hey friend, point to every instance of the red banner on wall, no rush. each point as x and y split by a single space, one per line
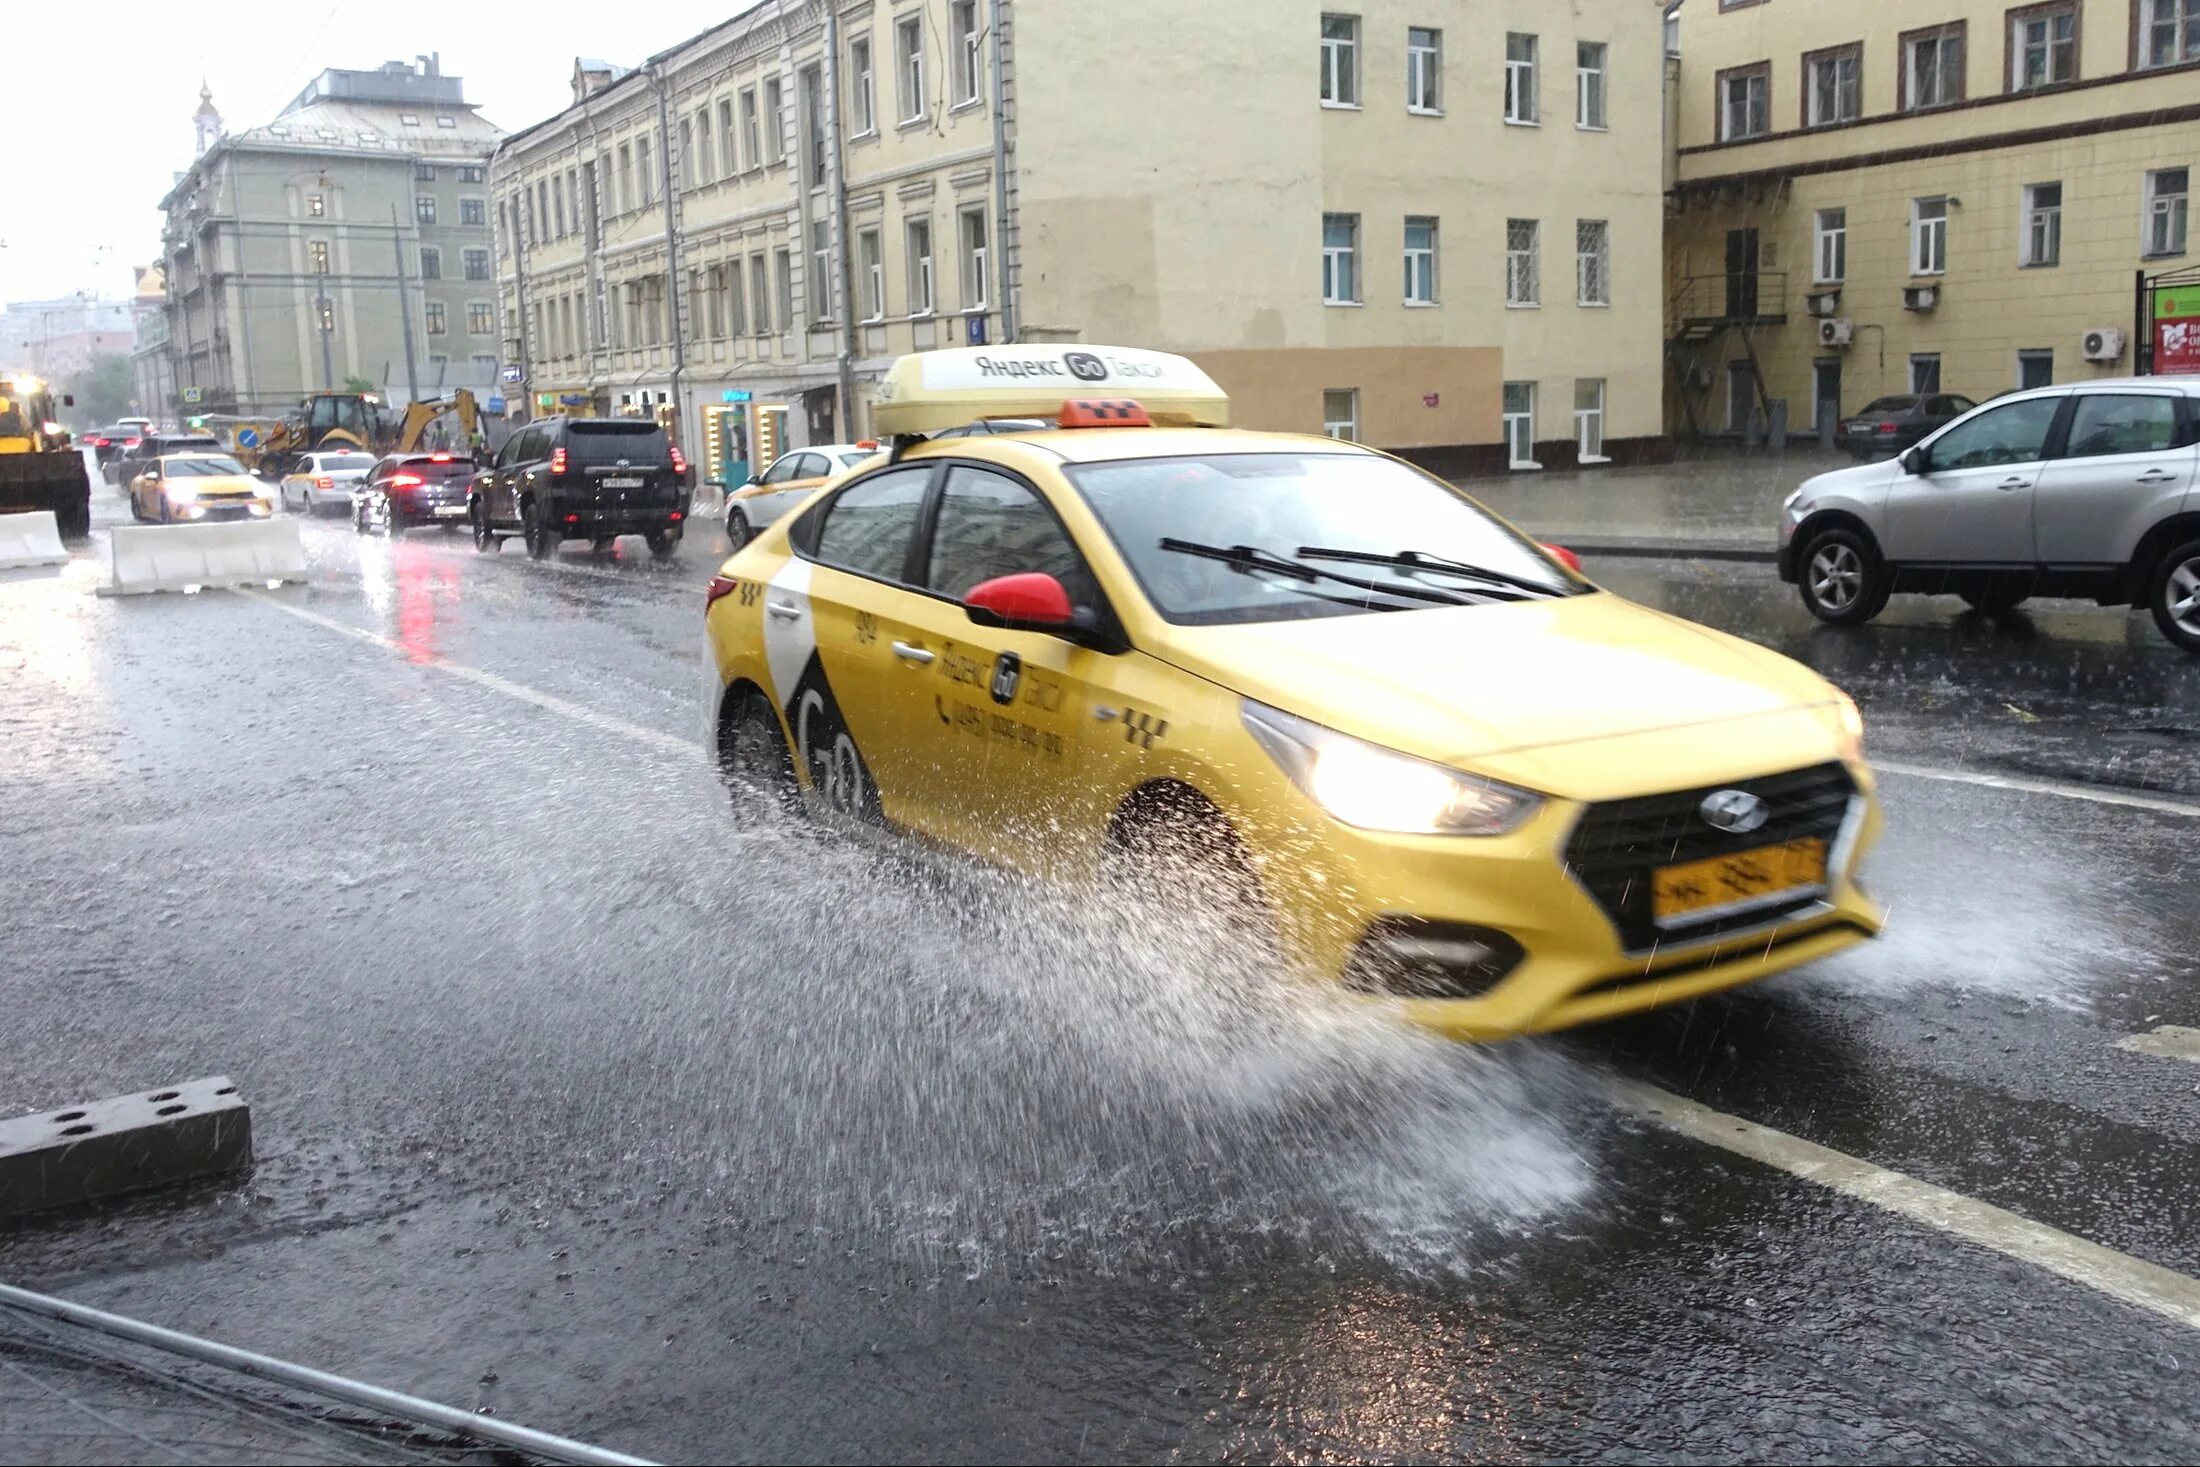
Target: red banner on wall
2177 329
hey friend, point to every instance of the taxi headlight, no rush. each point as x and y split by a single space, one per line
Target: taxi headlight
182 493
1373 788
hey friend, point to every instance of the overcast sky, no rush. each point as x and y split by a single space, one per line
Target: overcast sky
105 119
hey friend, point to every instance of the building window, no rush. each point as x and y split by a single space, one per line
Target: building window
1592 262
2042 224
1925 372
1520 425
811 85
481 318
1745 102
752 145
1424 69
1833 86
685 161
821 271
1589 66
424 172
864 92
909 66
783 277
729 147
969 50
1589 420
1830 253
2172 33
476 263
645 177
316 205
1341 413
1340 248
975 256
760 295
653 290
431 263
626 178
542 210
920 267
1932 67
714 301
438 318
2035 368
1523 285
1420 261
584 201
504 226
317 256
705 158
424 208
1520 60
871 253
476 211
1341 60
737 306
2043 45
1929 236
2168 210
473 173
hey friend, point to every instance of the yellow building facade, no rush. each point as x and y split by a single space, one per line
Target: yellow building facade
1885 196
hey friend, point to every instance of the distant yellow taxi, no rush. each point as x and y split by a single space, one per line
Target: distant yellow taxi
187 488
1444 767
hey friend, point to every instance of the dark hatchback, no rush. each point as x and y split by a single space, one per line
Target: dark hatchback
412 490
1892 425
592 479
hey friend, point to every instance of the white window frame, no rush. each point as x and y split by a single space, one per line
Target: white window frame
1340 262
1421 261
1424 71
437 318
481 318
1592 262
1592 111
774 108
2022 46
2163 19
1851 93
977 255
1929 236
1346 427
1589 421
871 252
917 234
865 89
317 256
1526 428
474 263
705 155
1829 246
431 262
1756 109
1521 109
2039 230
1340 76
909 68
821 271
1523 264
1945 78
2167 225
969 50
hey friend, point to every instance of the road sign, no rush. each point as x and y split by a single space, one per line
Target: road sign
194 394
976 325
734 394
495 404
513 375
248 438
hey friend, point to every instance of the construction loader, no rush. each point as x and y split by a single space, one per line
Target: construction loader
38 468
421 415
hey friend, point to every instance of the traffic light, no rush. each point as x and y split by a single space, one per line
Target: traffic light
194 424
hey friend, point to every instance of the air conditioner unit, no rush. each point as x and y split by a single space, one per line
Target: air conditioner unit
1822 302
2102 344
1920 297
1836 331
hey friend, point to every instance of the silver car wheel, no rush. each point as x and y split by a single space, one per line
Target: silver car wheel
1836 577
2181 596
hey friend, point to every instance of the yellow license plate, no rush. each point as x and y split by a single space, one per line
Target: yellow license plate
1724 881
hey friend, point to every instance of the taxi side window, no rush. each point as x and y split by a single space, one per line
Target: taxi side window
784 470
868 527
990 525
814 466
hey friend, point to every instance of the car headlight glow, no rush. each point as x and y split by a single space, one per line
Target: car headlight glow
182 493
1373 788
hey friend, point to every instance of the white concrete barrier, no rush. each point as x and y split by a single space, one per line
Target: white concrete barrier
31 539
200 557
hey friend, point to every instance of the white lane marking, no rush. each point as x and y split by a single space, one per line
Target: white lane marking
2145 1285
2166 1041
2039 787
663 742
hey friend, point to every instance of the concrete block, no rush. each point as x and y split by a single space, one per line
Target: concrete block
31 539
146 558
197 1129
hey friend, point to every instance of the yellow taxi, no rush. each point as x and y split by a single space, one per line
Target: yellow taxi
1444 767
187 488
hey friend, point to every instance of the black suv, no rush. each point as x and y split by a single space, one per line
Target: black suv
582 479
131 462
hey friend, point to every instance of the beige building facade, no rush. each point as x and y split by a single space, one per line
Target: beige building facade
1433 226
1887 196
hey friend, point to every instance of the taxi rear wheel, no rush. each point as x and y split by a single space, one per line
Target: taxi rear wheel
738 532
754 760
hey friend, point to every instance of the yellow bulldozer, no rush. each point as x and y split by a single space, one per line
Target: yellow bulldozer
421 416
324 421
38 468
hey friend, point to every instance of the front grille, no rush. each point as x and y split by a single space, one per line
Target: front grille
1619 843
226 512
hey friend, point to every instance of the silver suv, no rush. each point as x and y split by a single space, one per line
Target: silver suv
2084 490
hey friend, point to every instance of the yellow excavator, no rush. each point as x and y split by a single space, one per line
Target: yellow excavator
420 416
38 468
324 421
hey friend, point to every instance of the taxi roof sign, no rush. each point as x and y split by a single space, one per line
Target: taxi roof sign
935 390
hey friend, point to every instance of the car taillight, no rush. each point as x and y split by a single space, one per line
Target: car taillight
406 481
103 443
439 458
719 586
572 519
129 443
679 462
677 515
324 483
557 461
1889 428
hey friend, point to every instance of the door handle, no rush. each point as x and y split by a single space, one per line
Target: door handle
784 610
2155 476
2014 483
909 652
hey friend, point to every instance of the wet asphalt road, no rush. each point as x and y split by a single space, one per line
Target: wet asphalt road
576 1102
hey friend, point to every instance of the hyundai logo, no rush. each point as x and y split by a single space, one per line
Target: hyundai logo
1737 812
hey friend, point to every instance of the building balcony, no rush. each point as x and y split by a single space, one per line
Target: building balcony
1704 305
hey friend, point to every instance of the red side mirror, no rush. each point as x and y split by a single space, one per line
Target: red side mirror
1564 557
1033 600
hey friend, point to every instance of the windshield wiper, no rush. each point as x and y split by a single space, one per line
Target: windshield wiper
1416 560
1248 559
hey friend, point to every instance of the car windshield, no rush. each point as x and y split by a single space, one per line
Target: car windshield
603 445
1890 405
1282 506
184 468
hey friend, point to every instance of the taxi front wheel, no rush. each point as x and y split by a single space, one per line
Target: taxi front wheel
1175 855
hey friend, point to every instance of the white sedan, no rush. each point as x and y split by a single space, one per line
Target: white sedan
325 481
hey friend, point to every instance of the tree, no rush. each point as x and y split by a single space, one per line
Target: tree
103 389
358 384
